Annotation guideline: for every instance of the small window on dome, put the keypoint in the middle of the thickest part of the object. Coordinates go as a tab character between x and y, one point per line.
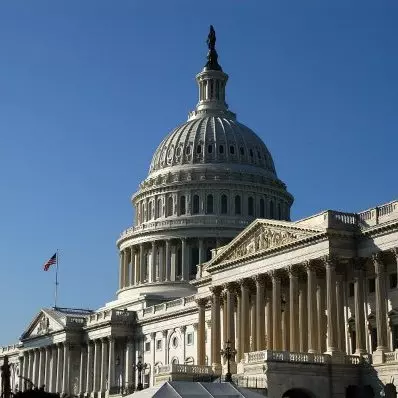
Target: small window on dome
188	150
210	148
242	151
199	149
251	152
259	154
232	150
221	148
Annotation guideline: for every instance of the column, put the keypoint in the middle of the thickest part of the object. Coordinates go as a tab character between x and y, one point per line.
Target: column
260	312
142	264
111	362
40	378
104	363
121	273
82	373
286	322
253	323
201	252
331	304
238	328
25	369
359	307
200	343
30	366
132	268
321	315
65	379
268	320
225	320
136	267
340	312
173	268
312	309
161	263
244	314
153	345
381	317
96	367
303	326
35	373
230	316
164	334
153	262
126	267
216	325
21	360
294	310
47	367
184	262
168	260
53	371
89	368
276	311
129	361
60	367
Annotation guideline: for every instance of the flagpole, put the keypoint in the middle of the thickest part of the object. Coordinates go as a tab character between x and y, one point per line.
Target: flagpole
56	282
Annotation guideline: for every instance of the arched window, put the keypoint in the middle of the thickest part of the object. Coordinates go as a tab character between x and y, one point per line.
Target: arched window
210	148
232	150
182	205
209	204
221	149
159	208
242	151
250	206
262	208
150	210
199	149
195	204
271	209
224	204
238	209
169	206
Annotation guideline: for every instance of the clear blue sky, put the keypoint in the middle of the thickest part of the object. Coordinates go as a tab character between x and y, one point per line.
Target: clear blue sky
89	88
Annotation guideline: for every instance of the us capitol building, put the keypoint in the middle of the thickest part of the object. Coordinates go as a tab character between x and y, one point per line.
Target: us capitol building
213	260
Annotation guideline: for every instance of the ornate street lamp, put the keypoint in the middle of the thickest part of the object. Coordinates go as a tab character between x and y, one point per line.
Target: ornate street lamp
140	366
228	353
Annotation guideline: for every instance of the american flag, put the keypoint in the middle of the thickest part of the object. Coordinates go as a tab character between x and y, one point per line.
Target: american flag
50	262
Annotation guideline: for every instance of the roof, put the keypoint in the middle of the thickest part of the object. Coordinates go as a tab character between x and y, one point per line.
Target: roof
195	390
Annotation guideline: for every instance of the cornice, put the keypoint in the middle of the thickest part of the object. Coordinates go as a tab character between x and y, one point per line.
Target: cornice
379	229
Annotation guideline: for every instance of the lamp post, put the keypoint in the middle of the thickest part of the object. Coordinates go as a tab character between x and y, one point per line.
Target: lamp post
228	353
140	366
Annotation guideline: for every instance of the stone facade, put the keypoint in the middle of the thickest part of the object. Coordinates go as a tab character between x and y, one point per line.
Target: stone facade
310	306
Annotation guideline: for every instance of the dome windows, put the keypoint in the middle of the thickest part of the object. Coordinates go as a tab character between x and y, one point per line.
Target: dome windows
271	209
242	151
195	204
238	209
209	204
224	204
199	149
251	153
182	205
188	150
262	208
170	204
210	148
250	206
221	149
232	150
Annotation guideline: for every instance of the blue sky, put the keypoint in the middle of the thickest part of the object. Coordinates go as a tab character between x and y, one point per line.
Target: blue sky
89	88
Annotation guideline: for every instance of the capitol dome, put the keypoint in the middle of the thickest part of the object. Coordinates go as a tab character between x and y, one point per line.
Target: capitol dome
208	179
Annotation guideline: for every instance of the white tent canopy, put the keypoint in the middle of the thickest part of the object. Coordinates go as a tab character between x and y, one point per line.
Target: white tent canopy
182	389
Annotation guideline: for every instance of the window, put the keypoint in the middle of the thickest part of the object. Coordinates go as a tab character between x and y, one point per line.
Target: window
150	210
174	342
393	280
174	361
232	150
262	208
210	148
182	205
259	154
169	206
221	149
199	149
242	151
251	153
371	285
238	209
271	209
209	204
159	344
351	289
159	208
195	204
224	204
188	150
189	338
147	346
250	206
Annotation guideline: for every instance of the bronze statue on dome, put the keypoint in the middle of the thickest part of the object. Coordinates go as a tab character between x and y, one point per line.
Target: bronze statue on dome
212	56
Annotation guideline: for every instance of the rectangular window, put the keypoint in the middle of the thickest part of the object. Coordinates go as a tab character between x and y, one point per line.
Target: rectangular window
159	344
351	289
189	338
393	280
371	285
147	346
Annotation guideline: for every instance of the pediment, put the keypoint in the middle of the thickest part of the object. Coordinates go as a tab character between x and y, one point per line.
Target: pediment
262	236
43	324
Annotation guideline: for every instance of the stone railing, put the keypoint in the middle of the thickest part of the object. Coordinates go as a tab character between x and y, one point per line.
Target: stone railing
110	316
76	321
185	369
391	357
9	349
183	222
167	307
285	356
378	214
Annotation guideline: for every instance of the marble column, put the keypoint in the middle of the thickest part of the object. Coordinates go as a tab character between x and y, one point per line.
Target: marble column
111	362
173	268
142	263
97	372
303	327
40	379
25	369
381	317
276	311
230	315
132	267
121	272
89	368
168	260
153	262
128	377
153	346
30	365
244	315
47	368
238	328
161	264
65	378
164	334
340	312
201	252
126	278
294	310
53	369
36	365
60	367
359	271
104	363
330	265
137	272
286	322
82	373
260	312
200	343
320	316
184	262
312	308
216	326
268	319
253	323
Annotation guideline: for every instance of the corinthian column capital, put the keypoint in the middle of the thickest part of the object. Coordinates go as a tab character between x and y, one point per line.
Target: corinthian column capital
216	290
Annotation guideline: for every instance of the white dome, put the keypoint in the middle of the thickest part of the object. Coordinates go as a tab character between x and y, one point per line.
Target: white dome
213	139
